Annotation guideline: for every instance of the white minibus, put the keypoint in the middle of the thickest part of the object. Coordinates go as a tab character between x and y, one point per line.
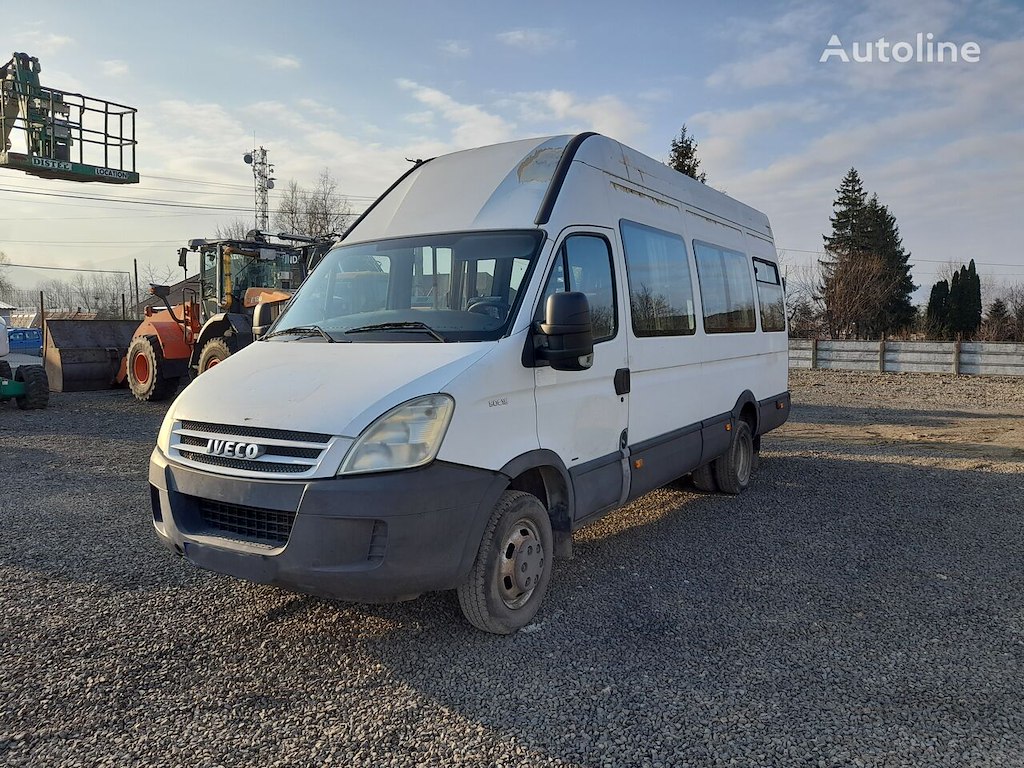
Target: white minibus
511	342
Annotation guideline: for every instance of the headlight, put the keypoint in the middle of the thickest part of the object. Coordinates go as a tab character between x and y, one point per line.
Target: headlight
404	437
163	439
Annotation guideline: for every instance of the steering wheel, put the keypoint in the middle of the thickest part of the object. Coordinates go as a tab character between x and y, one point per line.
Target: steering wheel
489	305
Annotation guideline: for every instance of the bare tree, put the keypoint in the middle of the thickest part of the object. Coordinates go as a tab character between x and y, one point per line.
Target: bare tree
320	212
233	230
6	286
851	293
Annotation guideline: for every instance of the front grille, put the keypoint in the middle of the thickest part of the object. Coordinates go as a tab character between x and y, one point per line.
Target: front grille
281	451
257	432
271	450
246	464
266	526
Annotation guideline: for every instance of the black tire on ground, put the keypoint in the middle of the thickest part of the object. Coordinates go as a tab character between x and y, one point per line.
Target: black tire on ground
5	370
704	479
214	351
37	387
513	566
147	376
733	468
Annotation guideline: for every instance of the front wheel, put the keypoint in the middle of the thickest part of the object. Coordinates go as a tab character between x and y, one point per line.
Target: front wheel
214	351
734	467
512	568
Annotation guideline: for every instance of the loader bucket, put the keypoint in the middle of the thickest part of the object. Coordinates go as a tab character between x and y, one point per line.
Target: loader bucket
81	355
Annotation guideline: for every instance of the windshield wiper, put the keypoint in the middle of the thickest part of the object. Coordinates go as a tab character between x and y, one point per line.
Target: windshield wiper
302	330
412	325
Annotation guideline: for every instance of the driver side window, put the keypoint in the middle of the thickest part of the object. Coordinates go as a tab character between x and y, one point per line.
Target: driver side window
584	263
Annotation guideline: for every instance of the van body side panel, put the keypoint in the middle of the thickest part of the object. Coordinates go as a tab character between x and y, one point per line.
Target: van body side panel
597	484
774	411
664	458
495	409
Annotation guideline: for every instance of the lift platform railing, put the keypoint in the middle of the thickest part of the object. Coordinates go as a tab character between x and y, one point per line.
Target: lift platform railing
64	135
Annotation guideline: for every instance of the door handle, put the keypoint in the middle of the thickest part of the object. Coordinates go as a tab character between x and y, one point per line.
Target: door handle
622	381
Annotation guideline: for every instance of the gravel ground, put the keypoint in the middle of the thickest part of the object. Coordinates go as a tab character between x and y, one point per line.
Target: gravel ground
861	604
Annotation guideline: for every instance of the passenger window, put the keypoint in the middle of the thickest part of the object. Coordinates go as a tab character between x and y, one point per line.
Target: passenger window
725	289
769	296
584	264
660	289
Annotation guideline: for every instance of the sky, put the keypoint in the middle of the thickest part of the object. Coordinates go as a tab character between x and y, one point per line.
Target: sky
357	88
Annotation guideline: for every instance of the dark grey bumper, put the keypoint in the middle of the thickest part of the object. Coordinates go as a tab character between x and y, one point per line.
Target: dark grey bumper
366	538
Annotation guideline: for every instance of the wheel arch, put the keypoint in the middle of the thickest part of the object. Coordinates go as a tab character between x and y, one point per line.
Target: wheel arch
234	327
542	473
746	409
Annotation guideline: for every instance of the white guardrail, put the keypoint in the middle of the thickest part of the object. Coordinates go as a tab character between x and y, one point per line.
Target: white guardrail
977	358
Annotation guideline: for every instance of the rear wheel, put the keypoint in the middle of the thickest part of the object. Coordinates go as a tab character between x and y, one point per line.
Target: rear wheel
513	566
214	351
5	370
733	469
37	387
147	377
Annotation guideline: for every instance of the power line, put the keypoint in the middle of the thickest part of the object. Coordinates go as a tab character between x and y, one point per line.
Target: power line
70	269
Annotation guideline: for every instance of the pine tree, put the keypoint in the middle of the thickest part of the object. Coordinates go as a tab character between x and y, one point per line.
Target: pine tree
972	302
846	243
998	323
895	311
683	156
955	308
937	313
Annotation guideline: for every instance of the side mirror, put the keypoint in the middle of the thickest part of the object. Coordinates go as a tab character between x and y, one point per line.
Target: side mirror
182	252
262	316
160	291
567	337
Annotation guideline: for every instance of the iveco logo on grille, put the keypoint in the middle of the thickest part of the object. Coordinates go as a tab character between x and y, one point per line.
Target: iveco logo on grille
234	450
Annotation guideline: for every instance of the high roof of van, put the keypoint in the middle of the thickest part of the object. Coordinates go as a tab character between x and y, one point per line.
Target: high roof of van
522	184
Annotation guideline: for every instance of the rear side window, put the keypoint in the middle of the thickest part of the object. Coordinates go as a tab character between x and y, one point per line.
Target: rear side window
584	263
660	288
726	292
769	296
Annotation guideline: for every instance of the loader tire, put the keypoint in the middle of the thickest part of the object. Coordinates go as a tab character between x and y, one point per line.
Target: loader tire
37	387
147	375
215	351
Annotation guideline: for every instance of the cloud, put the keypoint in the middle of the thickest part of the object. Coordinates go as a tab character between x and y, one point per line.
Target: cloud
286	61
565	112
781	66
534	40
455	48
472	125
115	68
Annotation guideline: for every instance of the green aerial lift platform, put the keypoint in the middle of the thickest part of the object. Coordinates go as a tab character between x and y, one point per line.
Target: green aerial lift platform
64	135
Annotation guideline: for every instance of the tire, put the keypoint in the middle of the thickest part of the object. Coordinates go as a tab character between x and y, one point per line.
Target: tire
513	566
5	370
734	468
704	479
214	351
147	376
37	387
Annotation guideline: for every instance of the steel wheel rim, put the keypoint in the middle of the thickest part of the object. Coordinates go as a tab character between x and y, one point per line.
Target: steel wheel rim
744	460
140	366
521	561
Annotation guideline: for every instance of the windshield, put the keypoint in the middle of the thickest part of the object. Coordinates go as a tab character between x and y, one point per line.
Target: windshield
449	287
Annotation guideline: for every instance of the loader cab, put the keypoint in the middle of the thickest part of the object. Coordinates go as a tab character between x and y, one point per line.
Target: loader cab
229	268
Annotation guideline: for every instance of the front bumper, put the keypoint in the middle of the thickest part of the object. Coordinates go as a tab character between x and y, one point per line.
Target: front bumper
366	538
